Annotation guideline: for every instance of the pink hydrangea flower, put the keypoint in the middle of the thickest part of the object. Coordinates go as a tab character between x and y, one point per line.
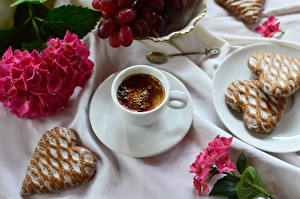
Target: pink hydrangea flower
215	155
269	27
201	167
34	85
225	164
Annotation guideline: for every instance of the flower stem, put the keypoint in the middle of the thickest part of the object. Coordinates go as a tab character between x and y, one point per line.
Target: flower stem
39	19
260	189
27	20
231	174
35	26
282	32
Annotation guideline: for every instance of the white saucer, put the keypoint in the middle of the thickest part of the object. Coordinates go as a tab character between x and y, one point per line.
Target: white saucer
120	136
286	137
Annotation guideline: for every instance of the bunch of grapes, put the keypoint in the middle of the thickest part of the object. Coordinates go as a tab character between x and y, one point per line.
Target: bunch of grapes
124	20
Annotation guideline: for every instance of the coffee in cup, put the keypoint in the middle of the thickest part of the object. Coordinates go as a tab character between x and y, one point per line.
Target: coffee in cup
140	92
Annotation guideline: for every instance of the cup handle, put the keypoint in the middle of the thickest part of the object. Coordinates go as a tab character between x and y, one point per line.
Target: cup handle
178	99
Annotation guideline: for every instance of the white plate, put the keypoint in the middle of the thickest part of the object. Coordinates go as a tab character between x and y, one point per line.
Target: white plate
286	137
122	137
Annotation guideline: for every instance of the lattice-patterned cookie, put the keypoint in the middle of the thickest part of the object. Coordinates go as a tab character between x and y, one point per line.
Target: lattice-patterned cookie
249	10
58	163
261	112
279	75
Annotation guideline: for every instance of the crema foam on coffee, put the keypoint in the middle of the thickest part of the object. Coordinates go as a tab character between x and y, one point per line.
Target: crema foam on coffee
140	92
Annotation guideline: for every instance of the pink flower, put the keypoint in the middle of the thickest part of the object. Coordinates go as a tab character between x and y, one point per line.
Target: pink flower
269	27
225	164
34	85
215	155
201	167
200	181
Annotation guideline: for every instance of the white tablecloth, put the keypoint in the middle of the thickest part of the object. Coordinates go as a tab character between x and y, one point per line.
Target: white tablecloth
165	175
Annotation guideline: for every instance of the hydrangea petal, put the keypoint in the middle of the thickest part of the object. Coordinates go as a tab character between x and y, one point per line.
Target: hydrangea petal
37	85
215	155
269	27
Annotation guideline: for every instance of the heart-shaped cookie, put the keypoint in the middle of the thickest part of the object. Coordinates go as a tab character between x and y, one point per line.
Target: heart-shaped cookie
279	75
57	163
261	112
249	10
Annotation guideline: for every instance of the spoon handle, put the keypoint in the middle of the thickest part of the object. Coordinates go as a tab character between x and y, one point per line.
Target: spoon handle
184	54
208	52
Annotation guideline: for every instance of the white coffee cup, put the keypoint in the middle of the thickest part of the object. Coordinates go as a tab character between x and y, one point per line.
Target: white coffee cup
173	98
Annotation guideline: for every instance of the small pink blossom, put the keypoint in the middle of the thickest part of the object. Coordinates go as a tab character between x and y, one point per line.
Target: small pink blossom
215	155
200	181
225	164
201	167
269	27
34	84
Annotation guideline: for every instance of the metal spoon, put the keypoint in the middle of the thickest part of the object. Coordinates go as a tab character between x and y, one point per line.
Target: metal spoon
161	58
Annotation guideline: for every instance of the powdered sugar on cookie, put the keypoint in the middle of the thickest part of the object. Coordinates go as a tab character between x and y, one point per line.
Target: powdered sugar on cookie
58	163
249	10
279	75
261	112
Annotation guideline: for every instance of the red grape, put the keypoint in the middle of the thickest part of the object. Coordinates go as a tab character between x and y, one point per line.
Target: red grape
140	28
109	6
125	35
114	40
160	24
125	20
124	3
167	17
174	5
126	15
149	15
106	27
107	15
96	4
156	5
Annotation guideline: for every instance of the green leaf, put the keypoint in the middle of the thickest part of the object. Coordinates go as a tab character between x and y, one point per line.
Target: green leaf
241	163
226	186
5	37
34	22
233	197
45	34
27	1
77	19
21	15
16	36
39	10
38	45
250	185
23	32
